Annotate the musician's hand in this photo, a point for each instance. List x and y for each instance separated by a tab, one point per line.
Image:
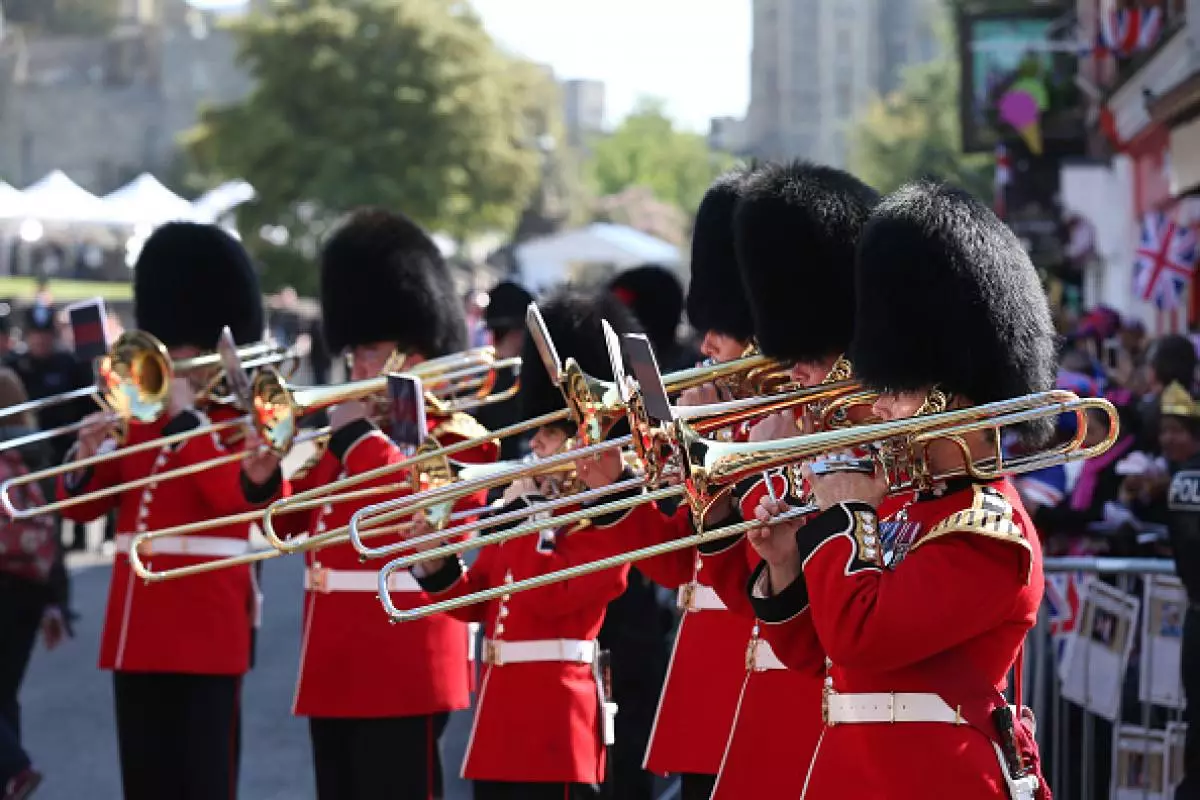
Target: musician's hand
262	462
842	487
418	528
776	544
521	486
54	627
343	414
181	396
775	426
602	469
96	428
700	395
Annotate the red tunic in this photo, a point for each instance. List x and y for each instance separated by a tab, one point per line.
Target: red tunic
942	607
777	723
201	624
353	661
540	721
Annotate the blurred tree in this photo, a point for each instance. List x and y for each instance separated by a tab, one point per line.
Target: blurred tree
914	132
406	104
648	150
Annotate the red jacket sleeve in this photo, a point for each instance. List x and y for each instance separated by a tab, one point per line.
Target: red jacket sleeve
787	623
863	614
99	476
225	488
647	525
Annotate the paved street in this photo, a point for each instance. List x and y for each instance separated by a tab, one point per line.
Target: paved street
68	718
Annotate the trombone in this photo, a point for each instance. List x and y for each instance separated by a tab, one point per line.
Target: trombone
133	380
276	408
593	404
706	467
707	418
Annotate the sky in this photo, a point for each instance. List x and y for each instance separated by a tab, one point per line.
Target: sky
695	55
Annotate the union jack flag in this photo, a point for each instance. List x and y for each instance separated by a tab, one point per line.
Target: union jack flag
1125	31
1062	601
1166	257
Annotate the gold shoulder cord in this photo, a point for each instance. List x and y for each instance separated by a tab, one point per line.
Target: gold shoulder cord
991	516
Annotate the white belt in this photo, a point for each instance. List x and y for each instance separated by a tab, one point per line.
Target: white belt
842	709
760	657
698	597
573	651
325	580
184	545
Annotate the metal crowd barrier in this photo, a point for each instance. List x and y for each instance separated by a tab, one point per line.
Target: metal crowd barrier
1078	746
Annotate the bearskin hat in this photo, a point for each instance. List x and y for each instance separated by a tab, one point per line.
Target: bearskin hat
715	298
507	304
573	319
192	280
655	296
795	231
384	280
948	297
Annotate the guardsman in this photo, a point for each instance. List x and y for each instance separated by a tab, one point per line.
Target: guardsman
1179	440
178	649
707	666
921	610
796	229
378	696
655	296
544	714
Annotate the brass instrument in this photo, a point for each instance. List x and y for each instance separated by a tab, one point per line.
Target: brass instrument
594	405
706	468
140	386
133	380
646	444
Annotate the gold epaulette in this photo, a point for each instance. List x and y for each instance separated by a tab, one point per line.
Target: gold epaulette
460	425
990	515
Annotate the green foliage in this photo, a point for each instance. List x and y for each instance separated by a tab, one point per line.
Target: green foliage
647	150
914	133
405	104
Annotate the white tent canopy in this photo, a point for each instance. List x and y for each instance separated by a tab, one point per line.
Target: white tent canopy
11	201
548	260
144	200
57	198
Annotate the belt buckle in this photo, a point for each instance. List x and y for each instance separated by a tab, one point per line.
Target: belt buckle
491	653
318	579
826	693
752	655
688	597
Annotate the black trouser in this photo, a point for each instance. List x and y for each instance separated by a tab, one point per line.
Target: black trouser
22	604
498	790
387	758
1189	789
696	787
179	735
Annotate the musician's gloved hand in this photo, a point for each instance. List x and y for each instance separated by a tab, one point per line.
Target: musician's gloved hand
262	462
602	469
181	397
843	487
343	414
776	544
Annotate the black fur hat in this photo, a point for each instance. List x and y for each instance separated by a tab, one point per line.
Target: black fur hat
507	303
655	296
190	281
715	298
573	320
384	280
947	297
795	230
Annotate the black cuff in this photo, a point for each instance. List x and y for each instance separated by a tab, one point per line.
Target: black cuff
343	439
714	547
444	578
781	606
855	520
182	422
612	518
256	494
73	482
